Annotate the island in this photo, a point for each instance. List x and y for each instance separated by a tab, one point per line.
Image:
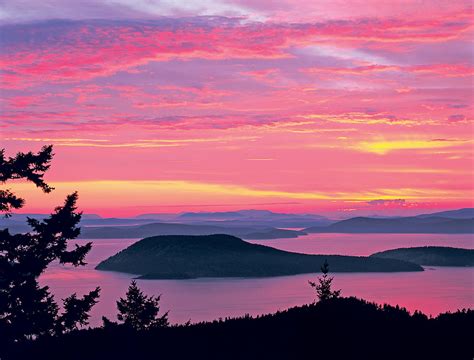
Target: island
430	255
155	229
404	225
273	234
186	257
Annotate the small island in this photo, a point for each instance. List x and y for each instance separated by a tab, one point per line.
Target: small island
273	234
186	257
430	255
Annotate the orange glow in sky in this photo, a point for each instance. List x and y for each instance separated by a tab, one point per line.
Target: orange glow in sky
244	104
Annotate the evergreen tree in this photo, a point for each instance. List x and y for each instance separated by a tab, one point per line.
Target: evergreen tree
139	311
323	286
28	310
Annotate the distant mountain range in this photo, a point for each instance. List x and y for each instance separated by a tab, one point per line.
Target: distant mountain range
257	224
183	257
249	224
253	217
17	222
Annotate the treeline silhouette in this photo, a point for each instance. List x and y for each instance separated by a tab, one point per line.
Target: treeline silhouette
339	328
33	326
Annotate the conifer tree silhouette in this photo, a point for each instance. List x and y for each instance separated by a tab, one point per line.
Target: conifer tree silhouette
323	286
28	310
139	311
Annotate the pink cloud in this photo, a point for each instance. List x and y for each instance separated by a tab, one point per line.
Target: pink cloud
456	118
447	70
211	100
285	10
76	51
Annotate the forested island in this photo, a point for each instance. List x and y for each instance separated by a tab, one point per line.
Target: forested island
172	257
403	225
430	255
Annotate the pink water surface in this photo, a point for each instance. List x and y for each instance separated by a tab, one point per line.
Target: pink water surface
438	289
366	244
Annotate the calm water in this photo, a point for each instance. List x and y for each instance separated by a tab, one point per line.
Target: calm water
366	244
433	291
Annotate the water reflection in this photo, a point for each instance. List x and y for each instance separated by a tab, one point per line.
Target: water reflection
433	291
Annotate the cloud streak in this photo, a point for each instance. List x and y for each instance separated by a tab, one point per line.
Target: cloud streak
315	103
65	51
384	147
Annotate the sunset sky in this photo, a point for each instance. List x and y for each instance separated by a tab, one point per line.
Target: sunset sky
330	107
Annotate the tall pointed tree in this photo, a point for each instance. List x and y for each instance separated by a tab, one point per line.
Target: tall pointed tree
28	310
324	285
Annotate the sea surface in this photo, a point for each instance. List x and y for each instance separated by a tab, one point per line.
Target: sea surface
436	290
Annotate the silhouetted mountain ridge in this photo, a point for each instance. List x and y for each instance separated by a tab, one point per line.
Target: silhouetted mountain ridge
246	214
343	328
254	217
256	220
465	213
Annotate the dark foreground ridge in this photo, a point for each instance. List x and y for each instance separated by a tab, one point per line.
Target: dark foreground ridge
174	257
431	255
343	328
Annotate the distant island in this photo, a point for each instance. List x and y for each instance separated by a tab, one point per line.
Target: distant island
256	224
404	225
273	234
175	257
155	229
465	213
430	255
254	217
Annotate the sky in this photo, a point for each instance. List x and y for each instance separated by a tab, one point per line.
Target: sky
330	107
